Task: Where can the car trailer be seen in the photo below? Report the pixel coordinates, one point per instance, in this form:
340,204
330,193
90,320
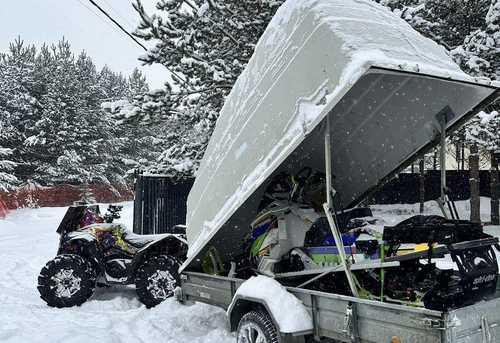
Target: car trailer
350,319
360,99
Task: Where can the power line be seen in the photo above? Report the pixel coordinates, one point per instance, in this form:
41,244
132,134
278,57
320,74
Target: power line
107,23
114,10
118,24
133,38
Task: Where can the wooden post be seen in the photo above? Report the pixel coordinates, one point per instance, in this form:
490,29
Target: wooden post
463,156
495,190
475,200
422,185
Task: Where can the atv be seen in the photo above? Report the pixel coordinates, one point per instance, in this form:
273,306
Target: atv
94,251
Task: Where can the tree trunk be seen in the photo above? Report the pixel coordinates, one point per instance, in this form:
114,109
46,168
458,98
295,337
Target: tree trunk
475,200
495,191
422,185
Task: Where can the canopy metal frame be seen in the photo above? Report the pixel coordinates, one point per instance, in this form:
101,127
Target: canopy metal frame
444,117
329,211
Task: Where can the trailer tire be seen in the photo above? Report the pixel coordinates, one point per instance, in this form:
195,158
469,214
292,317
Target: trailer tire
156,279
255,325
67,280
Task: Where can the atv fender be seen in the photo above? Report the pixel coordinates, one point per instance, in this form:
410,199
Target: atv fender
172,245
85,245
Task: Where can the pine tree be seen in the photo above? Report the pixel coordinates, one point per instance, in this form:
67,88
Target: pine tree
206,44
111,85
8,180
399,4
53,127
454,19
137,84
141,126
479,54
18,104
445,21
55,143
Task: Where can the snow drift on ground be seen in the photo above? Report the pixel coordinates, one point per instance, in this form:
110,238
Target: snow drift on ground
28,240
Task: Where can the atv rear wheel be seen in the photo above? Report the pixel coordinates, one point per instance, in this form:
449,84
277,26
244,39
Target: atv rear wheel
67,280
156,280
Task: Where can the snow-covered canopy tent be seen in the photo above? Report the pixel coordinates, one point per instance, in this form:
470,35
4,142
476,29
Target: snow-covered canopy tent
381,84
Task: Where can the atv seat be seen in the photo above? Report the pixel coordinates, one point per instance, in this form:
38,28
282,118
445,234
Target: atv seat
140,241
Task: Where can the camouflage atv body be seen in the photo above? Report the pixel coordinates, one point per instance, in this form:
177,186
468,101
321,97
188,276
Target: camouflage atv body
95,251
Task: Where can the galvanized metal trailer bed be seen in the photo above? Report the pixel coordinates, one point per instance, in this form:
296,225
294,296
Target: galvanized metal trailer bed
349,319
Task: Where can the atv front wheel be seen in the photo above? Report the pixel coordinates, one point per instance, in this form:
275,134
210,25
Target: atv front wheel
67,280
156,280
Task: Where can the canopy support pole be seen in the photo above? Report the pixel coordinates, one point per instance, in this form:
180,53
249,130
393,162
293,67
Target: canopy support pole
328,207
445,200
442,165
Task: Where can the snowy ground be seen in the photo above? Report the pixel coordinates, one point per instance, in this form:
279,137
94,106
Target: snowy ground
28,239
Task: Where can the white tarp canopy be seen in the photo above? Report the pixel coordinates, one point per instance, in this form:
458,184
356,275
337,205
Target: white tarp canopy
351,59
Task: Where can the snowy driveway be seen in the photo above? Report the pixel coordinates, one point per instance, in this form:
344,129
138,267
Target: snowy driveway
28,240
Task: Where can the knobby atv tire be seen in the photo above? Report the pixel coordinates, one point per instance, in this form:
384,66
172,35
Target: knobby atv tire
81,269
156,279
255,321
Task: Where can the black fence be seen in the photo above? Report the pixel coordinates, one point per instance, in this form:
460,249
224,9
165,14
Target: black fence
404,189
159,203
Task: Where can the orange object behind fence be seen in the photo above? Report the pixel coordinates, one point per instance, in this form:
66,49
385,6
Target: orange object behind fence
32,195
3,209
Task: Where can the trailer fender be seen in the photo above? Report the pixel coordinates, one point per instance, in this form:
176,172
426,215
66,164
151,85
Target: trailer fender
242,305
262,293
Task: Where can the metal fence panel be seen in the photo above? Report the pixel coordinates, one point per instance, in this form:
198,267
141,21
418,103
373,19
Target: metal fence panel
159,203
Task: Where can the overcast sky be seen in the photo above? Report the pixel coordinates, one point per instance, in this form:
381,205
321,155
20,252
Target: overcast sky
39,21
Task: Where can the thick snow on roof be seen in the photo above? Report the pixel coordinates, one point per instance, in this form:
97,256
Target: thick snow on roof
368,33
311,54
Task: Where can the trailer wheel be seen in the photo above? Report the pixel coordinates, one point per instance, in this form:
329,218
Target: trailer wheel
257,327
156,280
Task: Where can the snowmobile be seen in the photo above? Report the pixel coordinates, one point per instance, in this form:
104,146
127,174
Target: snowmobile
95,251
310,249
